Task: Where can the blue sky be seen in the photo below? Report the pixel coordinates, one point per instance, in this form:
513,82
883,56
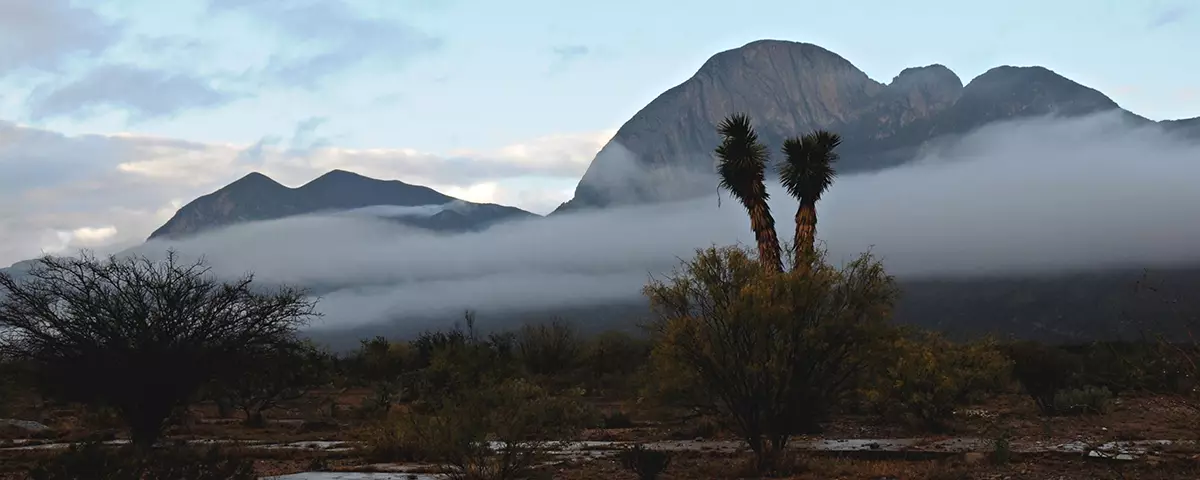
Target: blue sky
494,101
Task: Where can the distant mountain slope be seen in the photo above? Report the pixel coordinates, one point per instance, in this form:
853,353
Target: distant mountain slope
789,88
257,197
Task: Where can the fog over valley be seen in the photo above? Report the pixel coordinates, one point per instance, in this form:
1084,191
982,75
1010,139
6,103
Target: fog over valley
1036,196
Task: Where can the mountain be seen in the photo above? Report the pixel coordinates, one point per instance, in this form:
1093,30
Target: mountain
258,197
789,88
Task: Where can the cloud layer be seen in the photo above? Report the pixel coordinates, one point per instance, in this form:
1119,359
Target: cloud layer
1037,196
53,186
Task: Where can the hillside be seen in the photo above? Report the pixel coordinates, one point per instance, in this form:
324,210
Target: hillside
257,197
791,87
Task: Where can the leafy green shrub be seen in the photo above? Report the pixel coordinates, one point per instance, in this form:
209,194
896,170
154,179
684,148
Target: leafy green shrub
94,461
770,353
647,464
924,377
1079,401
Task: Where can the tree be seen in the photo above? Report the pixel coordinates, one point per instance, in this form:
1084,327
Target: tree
806,172
286,371
139,335
742,161
769,353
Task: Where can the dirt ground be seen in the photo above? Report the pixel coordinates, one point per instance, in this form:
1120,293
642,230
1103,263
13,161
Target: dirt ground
1132,418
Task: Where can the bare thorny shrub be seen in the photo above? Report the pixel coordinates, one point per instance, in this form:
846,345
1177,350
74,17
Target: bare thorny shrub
1176,372
138,335
770,353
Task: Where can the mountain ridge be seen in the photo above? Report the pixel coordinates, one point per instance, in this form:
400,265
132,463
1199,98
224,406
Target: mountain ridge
790,88
256,197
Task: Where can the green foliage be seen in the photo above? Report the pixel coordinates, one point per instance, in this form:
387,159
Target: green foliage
922,378
645,463
770,353
95,461
1079,401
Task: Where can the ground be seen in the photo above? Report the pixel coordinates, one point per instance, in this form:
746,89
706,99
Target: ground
1133,417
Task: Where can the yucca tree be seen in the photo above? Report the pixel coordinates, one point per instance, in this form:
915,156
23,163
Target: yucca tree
742,163
806,172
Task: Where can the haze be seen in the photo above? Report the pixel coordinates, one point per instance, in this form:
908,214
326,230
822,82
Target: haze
1045,196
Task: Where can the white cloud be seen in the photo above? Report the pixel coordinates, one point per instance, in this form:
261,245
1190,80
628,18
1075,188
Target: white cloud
62,192
42,34
1036,196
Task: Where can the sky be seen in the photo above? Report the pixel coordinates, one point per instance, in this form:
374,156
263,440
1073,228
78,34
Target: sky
115,113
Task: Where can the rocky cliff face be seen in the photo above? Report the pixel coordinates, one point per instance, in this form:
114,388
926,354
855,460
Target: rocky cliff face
257,197
790,88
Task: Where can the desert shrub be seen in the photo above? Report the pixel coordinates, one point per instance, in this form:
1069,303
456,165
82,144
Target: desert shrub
770,353
612,359
1079,401
383,366
459,369
496,432
139,335
282,372
1043,371
924,377
1001,449
645,463
94,461
549,349
395,439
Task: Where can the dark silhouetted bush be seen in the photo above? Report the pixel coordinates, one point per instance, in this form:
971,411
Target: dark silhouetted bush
138,335
94,461
647,464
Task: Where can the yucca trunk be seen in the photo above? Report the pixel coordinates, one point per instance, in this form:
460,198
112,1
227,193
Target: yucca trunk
763,225
805,239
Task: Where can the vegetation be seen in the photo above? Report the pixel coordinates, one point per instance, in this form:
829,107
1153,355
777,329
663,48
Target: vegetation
806,172
93,461
737,347
769,352
282,372
742,165
138,335
646,463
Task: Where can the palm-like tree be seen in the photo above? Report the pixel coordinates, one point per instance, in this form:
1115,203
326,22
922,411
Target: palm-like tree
806,172
742,163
